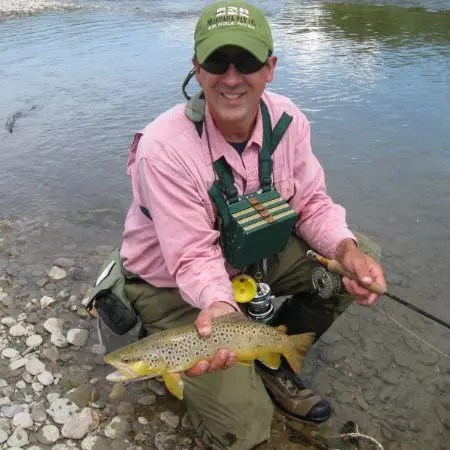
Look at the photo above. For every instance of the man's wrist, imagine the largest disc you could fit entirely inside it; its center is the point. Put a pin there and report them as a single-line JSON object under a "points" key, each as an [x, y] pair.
{"points": [[343, 247]]}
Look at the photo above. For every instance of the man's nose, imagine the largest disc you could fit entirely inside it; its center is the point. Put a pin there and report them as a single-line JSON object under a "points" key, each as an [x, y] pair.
{"points": [[232, 77]]}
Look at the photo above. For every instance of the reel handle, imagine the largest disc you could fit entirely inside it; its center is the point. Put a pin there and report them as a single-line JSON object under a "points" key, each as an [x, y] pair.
{"points": [[334, 266]]}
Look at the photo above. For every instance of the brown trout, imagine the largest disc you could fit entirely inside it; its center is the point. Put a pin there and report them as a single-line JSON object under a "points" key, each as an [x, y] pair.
{"points": [[169, 353]]}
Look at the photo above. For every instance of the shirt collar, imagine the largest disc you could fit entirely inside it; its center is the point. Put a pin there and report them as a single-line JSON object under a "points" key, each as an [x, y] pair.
{"points": [[219, 146]]}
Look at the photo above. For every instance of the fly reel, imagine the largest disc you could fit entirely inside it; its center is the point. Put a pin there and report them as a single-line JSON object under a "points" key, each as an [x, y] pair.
{"points": [[258, 297], [325, 283]]}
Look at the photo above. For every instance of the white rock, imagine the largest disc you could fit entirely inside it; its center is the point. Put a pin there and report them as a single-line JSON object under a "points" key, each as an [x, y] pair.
{"points": [[3, 383], [45, 378], [27, 377], [8, 321], [48, 434], [77, 337], [4, 435], [37, 387], [56, 273], [18, 330], [21, 317], [53, 324], [17, 364], [90, 442], [28, 398], [5, 401], [142, 420], [62, 410], [34, 366], [58, 339], [79, 425], [11, 410], [46, 301], [21, 384], [10, 353], [34, 447], [52, 397], [19, 438], [34, 341], [116, 428], [170, 419], [22, 419]]}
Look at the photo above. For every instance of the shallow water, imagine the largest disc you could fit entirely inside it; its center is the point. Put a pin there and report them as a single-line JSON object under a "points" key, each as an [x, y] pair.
{"points": [[373, 80]]}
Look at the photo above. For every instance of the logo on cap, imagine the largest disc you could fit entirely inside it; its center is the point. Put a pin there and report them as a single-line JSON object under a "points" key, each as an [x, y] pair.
{"points": [[231, 15]]}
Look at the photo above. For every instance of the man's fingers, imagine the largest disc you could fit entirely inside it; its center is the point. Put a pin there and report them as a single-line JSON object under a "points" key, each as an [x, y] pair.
{"points": [[219, 360], [231, 360], [204, 323], [199, 369], [362, 271]]}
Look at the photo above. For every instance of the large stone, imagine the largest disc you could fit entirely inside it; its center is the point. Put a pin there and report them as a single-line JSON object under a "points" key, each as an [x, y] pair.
{"points": [[48, 434], [62, 410], [34, 366], [77, 337], [80, 425], [116, 428], [57, 273], [53, 325], [19, 438]]}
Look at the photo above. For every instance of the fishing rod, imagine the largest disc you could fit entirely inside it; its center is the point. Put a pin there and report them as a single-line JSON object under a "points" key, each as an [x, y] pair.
{"points": [[335, 267]]}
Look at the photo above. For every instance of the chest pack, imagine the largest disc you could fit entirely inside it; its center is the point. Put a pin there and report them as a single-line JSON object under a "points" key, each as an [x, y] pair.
{"points": [[255, 225]]}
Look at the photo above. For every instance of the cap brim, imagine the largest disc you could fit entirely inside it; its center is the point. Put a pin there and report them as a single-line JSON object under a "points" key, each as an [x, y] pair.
{"points": [[242, 40]]}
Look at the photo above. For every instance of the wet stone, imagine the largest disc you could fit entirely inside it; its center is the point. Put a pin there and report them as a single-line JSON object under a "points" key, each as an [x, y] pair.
{"points": [[430, 359], [404, 359], [391, 377], [336, 354], [169, 418], [147, 400], [388, 393], [125, 409]]}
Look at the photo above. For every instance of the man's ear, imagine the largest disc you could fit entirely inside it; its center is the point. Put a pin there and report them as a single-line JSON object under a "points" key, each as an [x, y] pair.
{"points": [[271, 65], [196, 65]]}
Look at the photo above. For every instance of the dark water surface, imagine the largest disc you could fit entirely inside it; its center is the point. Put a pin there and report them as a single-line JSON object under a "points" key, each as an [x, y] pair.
{"points": [[373, 80]]}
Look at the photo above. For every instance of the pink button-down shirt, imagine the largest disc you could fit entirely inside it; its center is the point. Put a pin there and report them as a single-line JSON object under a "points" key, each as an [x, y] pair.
{"points": [[171, 171]]}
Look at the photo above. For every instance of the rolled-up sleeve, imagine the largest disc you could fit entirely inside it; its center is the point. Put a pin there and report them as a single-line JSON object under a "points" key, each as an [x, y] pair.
{"points": [[188, 240], [322, 223]]}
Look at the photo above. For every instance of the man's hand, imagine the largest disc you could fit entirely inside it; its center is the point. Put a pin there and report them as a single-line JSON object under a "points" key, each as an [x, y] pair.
{"points": [[224, 358], [365, 268]]}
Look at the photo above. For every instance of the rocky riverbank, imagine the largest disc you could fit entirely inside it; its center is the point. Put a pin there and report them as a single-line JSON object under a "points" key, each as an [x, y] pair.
{"points": [[53, 394]]}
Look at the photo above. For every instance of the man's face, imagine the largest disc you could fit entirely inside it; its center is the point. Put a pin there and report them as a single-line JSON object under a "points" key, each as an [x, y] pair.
{"points": [[234, 96]]}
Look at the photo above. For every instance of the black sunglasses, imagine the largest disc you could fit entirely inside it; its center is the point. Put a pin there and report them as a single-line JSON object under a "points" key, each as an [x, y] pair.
{"points": [[244, 62]]}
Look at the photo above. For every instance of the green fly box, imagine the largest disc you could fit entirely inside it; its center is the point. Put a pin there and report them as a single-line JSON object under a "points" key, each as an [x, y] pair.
{"points": [[259, 225]]}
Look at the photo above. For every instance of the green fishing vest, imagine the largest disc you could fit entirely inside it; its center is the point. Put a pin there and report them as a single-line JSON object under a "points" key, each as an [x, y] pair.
{"points": [[256, 225]]}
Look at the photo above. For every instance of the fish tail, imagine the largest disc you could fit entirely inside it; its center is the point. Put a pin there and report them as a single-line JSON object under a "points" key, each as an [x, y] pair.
{"points": [[300, 344]]}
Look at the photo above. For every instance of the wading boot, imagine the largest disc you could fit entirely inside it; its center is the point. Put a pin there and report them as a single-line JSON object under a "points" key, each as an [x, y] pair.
{"points": [[290, 395]]}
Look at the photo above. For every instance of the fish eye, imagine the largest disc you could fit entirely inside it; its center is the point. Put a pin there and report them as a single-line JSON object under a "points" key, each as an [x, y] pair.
{"points": [[126, 359]]}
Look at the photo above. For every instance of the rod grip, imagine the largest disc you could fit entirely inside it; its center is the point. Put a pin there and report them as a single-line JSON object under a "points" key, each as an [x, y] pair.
{"points": [[334, 266]]}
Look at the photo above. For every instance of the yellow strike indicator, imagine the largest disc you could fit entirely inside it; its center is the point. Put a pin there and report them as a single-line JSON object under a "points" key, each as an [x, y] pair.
{"points": [[244, 288]]}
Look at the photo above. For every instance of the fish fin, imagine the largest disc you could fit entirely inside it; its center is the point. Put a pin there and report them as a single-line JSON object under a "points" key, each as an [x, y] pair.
{"points": [[244, 363], [281, 328], [234, 317], [271, 360], [301, 343], [174, 384]]}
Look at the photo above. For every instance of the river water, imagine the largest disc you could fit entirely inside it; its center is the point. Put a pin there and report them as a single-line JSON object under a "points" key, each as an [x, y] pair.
{"points": [[374, 80]]}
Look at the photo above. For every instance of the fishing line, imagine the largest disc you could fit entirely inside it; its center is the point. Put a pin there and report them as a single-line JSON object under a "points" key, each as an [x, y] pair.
{"points": [[411, 332]]}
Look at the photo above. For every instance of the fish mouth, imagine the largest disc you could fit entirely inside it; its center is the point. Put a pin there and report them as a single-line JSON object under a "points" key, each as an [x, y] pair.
{"points": [[120, 376]]}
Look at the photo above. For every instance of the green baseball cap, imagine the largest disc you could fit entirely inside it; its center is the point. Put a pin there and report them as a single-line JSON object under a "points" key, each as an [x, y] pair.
{"points": [[232, 23]]}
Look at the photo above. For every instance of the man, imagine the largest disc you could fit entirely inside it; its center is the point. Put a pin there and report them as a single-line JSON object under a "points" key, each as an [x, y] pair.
{"points": [[172, 254]]}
